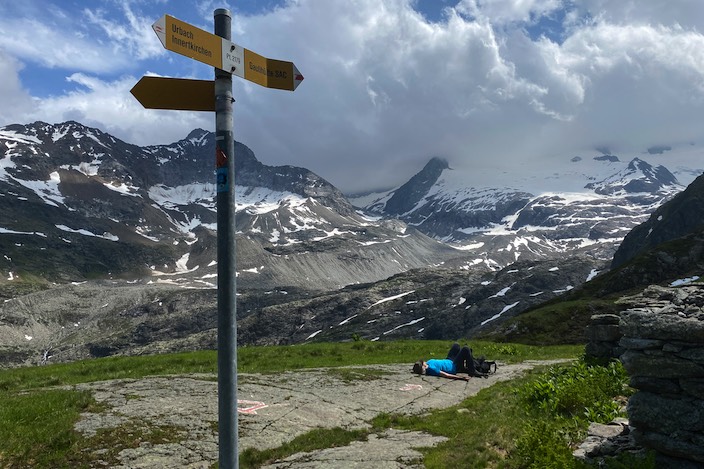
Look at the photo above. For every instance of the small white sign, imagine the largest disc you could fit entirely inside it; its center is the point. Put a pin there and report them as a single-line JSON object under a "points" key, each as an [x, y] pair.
{"points": [[233, 58]]}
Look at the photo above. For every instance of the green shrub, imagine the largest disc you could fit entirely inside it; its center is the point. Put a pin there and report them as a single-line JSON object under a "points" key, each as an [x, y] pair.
{"points": [[543, 445], [579, 391], [558, 405], [603, 411]]}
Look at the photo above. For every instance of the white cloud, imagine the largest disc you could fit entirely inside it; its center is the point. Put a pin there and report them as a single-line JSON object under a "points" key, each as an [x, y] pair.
{"points": [[382, 86], [57, 41], [385, 90], [507, 11], [14, 98], [642, 84], [134, 39], [110, 107]]}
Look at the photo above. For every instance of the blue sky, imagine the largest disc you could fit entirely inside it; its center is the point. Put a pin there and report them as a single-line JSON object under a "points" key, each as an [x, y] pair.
{"points": [[489, 84], [107, 23]]}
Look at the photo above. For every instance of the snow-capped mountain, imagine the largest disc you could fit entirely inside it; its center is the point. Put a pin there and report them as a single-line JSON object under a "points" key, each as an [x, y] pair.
{"points": [[639, 178], [95, 206], [79, 204], [605, 199]]}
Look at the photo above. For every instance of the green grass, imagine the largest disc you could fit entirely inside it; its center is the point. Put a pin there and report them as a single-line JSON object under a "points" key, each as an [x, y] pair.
{"points": [[479, 431], [36, 429], [36, 418], [86, 371], [534, 421], [509, 425], [270, 359], [557, 321], [320, 438]]}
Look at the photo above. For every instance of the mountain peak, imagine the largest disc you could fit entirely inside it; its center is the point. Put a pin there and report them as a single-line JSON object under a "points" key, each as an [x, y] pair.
{"points": [[638, 164], [408, 195], [436, 162], [638, 176], [197, 133]]}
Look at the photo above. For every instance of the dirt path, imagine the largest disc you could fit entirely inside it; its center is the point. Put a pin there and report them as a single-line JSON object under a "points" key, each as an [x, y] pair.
{"points": [[274, 409]]}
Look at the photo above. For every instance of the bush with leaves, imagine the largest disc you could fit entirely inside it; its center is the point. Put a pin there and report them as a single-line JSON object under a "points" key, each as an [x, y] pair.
{"points": [[544, 444], [580, 391], [559, 404]]}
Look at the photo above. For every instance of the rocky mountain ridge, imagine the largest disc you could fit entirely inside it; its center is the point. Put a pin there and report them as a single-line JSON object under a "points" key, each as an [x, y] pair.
{"points": [[500, 225], [100, 207], [102, 318], [680, 217], [666, 251], [139, 224]]}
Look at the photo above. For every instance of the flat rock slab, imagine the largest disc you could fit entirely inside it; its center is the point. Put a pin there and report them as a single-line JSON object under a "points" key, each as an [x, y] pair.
{"points": [[392, 449], [275, 408]]}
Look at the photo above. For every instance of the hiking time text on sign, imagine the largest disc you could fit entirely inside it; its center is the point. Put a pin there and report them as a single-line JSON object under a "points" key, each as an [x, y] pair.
{"points": [[186, 39]]}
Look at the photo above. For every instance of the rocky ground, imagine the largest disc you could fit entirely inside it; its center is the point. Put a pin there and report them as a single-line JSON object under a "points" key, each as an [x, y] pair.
{"points": [[272, 410], [99, 318]]}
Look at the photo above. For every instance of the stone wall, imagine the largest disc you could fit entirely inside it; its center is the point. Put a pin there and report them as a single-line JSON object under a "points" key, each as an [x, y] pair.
{"points": [[662, 348], [603, 336]]}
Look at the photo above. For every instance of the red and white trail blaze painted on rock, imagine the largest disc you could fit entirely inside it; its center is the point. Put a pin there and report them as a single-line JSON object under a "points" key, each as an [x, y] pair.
{"points": [[250, 408], [411, 387]]}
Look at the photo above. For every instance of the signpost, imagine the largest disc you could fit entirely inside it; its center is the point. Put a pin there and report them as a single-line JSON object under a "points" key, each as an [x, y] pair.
{"points": [[175, 93], [228, 59], [227, 267], [219, 52]]}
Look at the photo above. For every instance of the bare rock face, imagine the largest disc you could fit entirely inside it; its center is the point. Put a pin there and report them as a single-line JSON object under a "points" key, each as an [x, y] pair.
{"points": [[603, 335], [672, 220], [607, 440], [663, 343]]}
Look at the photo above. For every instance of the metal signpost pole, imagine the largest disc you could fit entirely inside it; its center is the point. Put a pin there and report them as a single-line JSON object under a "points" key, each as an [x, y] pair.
{"points": [[227, 273], [217, 50]]}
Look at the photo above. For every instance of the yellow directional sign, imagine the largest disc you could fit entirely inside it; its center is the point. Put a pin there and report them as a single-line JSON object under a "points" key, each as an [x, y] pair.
{"points": [[175, 93], [185, 39], [271, 73]]}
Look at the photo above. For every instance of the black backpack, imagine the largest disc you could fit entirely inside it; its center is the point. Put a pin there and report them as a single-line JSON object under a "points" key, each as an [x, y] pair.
{"points": [[484, 366]]}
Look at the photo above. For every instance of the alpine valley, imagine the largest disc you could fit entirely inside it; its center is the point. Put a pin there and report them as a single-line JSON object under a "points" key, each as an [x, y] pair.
{"points": [[110, 248]]}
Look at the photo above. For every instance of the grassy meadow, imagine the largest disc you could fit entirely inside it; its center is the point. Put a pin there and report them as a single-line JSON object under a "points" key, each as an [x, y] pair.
{"points": [[530, 422]]}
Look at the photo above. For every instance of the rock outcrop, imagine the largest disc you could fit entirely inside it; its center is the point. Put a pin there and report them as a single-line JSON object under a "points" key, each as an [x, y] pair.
{"points": [[663, 352], [603, 336], [681, 216]]}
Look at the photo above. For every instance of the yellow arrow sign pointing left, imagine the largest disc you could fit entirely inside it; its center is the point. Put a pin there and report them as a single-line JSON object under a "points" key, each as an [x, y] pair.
{"points": [[175, 93], [185, 39]]}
